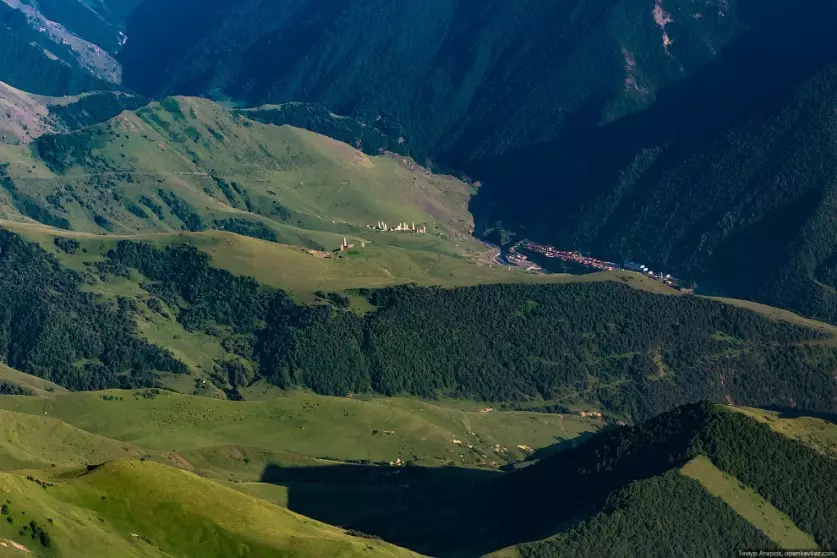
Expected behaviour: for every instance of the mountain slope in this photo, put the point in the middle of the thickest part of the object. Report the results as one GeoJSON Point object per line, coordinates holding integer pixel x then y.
{"type": "Point", "coordinates": [691, 136]}
{"type": "Point", "coordinates": [43, 56]}
{"type": "Point", "coordinates": [18, 383]}
{"type": "Point", "coordinates": [25, 116]}
{"type": "Point", "coordinates": [464, 79]}
{"type": "Point", "coordinates": [55, 330]}
{"type": "Point", "coordinates": [737, 196]}
{"type": "Point", "coordinates": [628, 488]}
{"type": "Point", "coordinates": [189, 164]}
{"type": "Point", "coordinates": [134, 508]}
{"type": "Point", "coordinates": [642, 519]}
{"type": "Point", "coordinates": [701, 480]}
{"type": "Point", "coordinates": [818, 433]}
{"type": "Point", "coordinates": [748, 504]}
{"type": "Point", "coordinates": [40, 442]}
{"type": "Point", "coordinates": [100, 22]}
{"type": "Point", "coordinates": [239, 439]}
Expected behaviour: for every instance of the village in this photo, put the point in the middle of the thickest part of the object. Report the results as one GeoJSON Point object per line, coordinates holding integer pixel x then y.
{"type": "Point", "coordinates": [382, 226]}
{"type": "Point", "coordinates": [516, 257]}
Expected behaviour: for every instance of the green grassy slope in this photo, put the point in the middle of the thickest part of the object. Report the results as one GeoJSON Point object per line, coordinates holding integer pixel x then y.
{"type": "Point", "coordinates": [201, 481]}
{"type": "Point", "coordinates": [303, 272]}
{"type": "Point", "coordinates": [223, 166]}
{"type": "Point", "coordinates": [32, 441]}
{"type": "Point", "coordinates": [748, 504]}
{"type": "Point", "coordinates": [159, 506]}
{"type": "Point", "coordinates": [133, 508]}
{"type": "Point", "coordinates": [188, 164]}
{"type": "Point", "coordinates": [242, 437]}
{"type": "Point", "coordinates": [28, 383]}
{"type": "Point", "coordinates": [815, 432]}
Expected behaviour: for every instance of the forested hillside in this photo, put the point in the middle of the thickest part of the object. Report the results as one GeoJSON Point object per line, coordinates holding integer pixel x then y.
{"type": "Point", "coordinates": [61, 47]}
{"type": "Point", "coordinates": [51, 328]}
{"type": "Point", "coordinates": [735, 192]}
{"type": "Point", "coordinates": [99, 22]}
{"type": "Point", "coordinates": [25, 65]}
{"type": "Point", "coordinates": [25, 116]}
{"type": "Point", "coordinates": [94, 108]}
{"type": "Point", "coordinates": [627, 351]}
{"type": "Point", "coordinates": [464, 79]}
{"type": "Point", "coordinates": [309, 116]}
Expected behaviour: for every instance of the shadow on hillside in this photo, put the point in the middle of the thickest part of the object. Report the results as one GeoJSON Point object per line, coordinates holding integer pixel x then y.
{"type": "Point", "coordinates": [360, 495]}
{"type": "Point", "coordinates": [563, 445]}
{"type": "Point", "coordinates": [789, 413]}
{"type": "Point", "coordinates": [460, 512]}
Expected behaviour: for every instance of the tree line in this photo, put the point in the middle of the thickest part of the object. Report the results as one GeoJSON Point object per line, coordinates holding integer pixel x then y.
{"type": "Point", "coordinates": [51, 328]}
{"type": "Point", "coordinates": [627, 351]}
{"type": "Point", "coordinates": [630, 351]}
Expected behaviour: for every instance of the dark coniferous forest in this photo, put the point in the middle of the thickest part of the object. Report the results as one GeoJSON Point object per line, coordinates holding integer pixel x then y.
{"type": "Point", "coordinates": [51, 328]}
